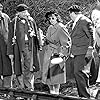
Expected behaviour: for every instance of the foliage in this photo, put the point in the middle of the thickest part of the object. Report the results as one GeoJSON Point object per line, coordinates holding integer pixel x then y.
{"type": "Point", "coordinates": [38, 8]}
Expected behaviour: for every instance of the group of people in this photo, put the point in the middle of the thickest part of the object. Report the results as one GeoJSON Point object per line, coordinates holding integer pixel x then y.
{"type": "Point", "coordinates": [18, 49]}
{"type": "Point", "coordinates": [58, 42]}
{"type": "Point", "coordinates": [20, 42]}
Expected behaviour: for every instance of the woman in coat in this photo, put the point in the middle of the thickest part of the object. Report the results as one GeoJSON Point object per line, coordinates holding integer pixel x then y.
{"type": "Point", "coordinates": [56, 43]}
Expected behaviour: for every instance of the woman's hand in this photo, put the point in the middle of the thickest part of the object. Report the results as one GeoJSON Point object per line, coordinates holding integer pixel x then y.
{"type": "Point", "coordinates": [61, 55]}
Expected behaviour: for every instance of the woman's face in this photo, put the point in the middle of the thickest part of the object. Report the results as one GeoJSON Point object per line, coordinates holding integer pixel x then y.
{"type": "Point", "coordinates": [1, 8]}
{"type": "Point", "coordinates": [53, 19]}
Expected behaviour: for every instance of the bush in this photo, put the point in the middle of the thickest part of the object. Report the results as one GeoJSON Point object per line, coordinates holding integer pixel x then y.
{"type": "Point", "coordinates": [38, 8]}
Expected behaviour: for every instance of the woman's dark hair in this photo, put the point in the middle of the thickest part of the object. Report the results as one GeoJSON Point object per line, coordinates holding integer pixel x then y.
{"type": "Point", "coordinates": [49, 14]}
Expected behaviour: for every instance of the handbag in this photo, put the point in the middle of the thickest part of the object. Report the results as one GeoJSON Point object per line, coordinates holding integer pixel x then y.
{"type": "Point", "coordinates": [56, 59]}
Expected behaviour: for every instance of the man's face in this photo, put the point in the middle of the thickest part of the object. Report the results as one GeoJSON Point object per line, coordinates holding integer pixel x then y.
{"type": "Point", "coordinates": [23, 13]}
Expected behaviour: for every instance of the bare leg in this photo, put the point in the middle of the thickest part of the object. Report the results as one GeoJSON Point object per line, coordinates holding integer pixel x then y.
{"type": "Point", "coordinates": [32, 82]}
{"type": "Point", "coordinates": [20, 79]}
{"type": "Point", "coordinates": [52, 91]}
{"type": "Point", "coordinates": [56, 88]}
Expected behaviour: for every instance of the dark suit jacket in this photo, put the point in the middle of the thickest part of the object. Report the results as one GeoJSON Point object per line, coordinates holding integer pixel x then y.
{"type": "Point", "coordinates": [82, 37]}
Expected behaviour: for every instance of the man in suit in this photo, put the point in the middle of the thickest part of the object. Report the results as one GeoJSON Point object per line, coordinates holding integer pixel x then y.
{"type": "Point", "coordinates": [82, 41]}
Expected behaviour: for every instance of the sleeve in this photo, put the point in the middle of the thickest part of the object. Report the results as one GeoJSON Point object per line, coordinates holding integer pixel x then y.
{"type": "Point", "coordinates": [35, 27]}
{"type": "Point", "coordinates": [63, 37]}
{"type": "Point", "coordinates": [49, 32]}
{"type": "Point", "coordinates": [98, 27]}
{"type": "Point", "coordinates": [37, 35]}
{"type": "Point", "coordinates": [65, 48]}
{"type": "Point", "coordinates": [48, 35]}
{"type": "Point", "coordinates": [88, 29]}
{"type": "Point", "coordinates": [10, 36]}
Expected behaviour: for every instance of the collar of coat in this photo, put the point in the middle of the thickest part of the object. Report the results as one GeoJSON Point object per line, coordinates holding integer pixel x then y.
{"type": "Point", "coordinates": [76, 20]}
{"type": "Point", "coordinates": [82, 17]}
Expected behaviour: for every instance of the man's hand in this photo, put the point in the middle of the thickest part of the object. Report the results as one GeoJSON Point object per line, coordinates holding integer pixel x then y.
{"type": "Point", "coordinates": [89, 52]}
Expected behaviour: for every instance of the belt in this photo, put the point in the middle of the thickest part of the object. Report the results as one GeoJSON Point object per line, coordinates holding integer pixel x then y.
{"type": "Point", "coordinates": [53, 46]}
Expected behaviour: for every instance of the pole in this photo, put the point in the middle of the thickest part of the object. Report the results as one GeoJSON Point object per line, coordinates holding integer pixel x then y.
{"type": "Point", "coordinates": [12, 62]}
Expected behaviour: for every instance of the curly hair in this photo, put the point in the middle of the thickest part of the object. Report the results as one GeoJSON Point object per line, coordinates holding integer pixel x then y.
{"type": "Point", "coordinates": [49, 14]}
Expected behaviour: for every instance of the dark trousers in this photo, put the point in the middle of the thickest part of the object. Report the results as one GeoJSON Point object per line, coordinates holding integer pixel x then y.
{"type": "Point", "coordinates": [26, 66]}
{"type": "Point", "coordinates": [80, 77]}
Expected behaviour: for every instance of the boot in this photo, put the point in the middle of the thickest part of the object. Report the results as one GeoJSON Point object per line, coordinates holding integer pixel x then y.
{"type": "Point", "coordinates": [32, 82]}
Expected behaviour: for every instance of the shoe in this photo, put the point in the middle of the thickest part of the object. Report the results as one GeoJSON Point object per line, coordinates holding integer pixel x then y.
{"type": "Point", "coordinates": [57, 93]}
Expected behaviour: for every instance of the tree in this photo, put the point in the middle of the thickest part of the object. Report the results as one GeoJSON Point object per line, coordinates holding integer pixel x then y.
{"type": "Point", "coordinates": [38, 8]}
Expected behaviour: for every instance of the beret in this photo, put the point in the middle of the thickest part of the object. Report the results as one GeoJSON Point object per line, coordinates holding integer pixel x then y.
{"type": "Point", "coordinates": [74, 8]}
{"type": "Point", "coordinates": [22, 7]}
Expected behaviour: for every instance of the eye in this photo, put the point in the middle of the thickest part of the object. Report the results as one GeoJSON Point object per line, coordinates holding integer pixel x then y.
{"type": "Point", "coordinates": [52, 18]}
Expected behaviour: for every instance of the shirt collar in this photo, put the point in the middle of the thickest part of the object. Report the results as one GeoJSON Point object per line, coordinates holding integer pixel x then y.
{"type": "Point", "coordinates": [77, 18]}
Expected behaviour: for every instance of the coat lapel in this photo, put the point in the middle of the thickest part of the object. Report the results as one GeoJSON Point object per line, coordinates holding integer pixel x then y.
{"type": "Point", "coordinates": [53, 30]}
{"type": "Point", "coordinates": [75, 26]}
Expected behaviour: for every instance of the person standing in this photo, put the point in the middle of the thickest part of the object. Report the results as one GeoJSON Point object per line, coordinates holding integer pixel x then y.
{"type": "Point", "coordinates": [56, 43]}
{"type": "Point", "coordinates": [5, 63]}
{"type": "Point", "coordinates": [23, 46]}
{"type": "Point", "coordinates": [95, 17]}
{"type": "Point", "coordinates": [82, 41]}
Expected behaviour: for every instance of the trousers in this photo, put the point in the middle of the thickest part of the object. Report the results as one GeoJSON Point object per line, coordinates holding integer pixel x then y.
{"type": "Point", "coordinates": [80, 77]}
